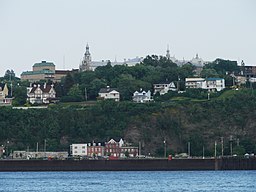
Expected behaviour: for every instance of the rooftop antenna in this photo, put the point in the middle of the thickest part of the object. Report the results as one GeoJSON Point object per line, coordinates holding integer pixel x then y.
{"type": "Point", "coordinates": [63, 61]}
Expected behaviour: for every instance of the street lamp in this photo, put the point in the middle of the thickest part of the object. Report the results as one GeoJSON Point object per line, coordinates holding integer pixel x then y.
{"type": "Point", "coordinates": [164, 148]}
{"type": "Point", "coordinates": [7, 142]}
{"type": "Point", "coordinates": [189, 149]}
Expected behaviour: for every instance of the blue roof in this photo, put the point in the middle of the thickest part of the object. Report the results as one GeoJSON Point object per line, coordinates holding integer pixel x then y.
{"type": "Point", "coordinates": [213, 79]}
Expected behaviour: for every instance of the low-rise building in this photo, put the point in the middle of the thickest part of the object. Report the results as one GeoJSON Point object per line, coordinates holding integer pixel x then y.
{"type": "Point", "coordinates": [95, 149]}
{"type": "Point", "coordinates": [163, 88]}
{"type": "Point", "coordinates": [44, 71]}
{"type": "Point", "coordinates": [142, 96]}
{"type": "Point", "coordinates": [210, 84]}
{"type": "Point", "coordinates": [109, 93]}
{"type": "Point", "coordinates": [120, 149]}
{"type": "Point", "coordinates": [41, 93]}
{"type": "Point", "coordinates": [4, 92]}
{"type": "Point", "coordinates": [78, 149]}
{"type": "Point", "coordinates": [39, 155]}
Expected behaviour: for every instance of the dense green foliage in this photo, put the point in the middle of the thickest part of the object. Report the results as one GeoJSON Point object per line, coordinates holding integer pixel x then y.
{"type": "Point", "coordinates": [178, 118]}
{"type": "Point", "coordinates": [153, 69]}
{"type": "Point", "coordinates": [200, 123]}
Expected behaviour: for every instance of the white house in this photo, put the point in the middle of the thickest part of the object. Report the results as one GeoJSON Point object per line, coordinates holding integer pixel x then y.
{"type": "Point", "coordinates": [78, 149]}
{"type": "Point", "coordinates": [142, 97]}
{"type": "Point", "coordinates": [38, 93]}
{"type": "Point", "coordinates": [163, 88]}
{"type": "Point", "coordinates": [194, 83]}
{"type": "Point", "coordinates": [109, 93]}
{"type": "Point", "coordinates": [211, 84]}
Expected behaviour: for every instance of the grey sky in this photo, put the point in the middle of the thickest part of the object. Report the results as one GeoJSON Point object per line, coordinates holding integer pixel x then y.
{"type": "Point", "coordinates": [36, 30]}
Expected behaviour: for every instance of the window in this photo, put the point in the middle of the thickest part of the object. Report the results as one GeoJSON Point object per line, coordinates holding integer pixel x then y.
{"type": "Point", "coordinates": [75, 147]}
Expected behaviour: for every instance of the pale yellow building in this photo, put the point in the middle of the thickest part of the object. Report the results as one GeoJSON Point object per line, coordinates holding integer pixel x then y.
{"type": "Point", "coordinates": [44, 71]}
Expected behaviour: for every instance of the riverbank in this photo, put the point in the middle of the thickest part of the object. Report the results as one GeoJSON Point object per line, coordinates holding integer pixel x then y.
{"type": "Point", "coordinates": [129, 165]}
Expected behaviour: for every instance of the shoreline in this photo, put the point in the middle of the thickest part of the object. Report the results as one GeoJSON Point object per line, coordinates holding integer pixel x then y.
{"type": "Point", "coordinates": [129, 165]}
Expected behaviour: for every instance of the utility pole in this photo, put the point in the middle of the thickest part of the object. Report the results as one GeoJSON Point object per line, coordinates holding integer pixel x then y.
{"type": "Point", "coordinates": [164, 148]}
{"type": "Point", "coordinates": [85, 94]}
{"type": "Point", "coordinates": [222, 146]}
{"type": "Point", "coordinates": [45, 148]}
{"type": "Point", "coordinates": [36, 146]}
{"type": "Point", "coordinates": [215, 149]}
{"type": "Point", "coordinates": [203, 151]}
{"type": "Point", "coordinates": [139, 148]}
{"type": "Point", "coordinates": [189, 149]}
{"type": "Point", "coordinates": [231, 145]}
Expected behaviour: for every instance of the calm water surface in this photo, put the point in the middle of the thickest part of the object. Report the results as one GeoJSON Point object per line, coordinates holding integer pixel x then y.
{"type": "Point", "coordinates": [128, 181]}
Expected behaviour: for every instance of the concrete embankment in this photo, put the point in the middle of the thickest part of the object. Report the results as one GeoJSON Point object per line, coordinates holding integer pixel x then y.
{"type": "Point", "coordinates": [127, 165]}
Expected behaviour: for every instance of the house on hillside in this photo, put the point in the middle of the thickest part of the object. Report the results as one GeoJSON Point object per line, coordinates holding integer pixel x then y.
{"type": "Point", "coordinates": [142, 97]}
{"type": "Point", "coordinates": [163, 88]}
{"type": "Point", "coordinates": [109, 93]}
{"type": "Point", "coordinates": [4, 92]}
{"type": "Point", "coordinates": [41, 94]}
{"type": "Point", "coordinates": [120, 149]}
{"type": "Point", "coordinates": [210, 84]}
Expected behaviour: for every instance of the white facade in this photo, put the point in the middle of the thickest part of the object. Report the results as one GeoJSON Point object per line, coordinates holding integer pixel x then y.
{"type": "Point", "coordinates": [109, 93]}
{"type": "Point", "coordinates": [40, 93]}
{"type": "Point", "coordinates": [78, 149]}
{"type": "Point", "coordinates": [163, 88]}
{"type": "Point", "coordinates": [211, 84]}
{"type": "Point", "coordinates": [142, 97]}
{"type": "Point", "coordinates": [194, 83]}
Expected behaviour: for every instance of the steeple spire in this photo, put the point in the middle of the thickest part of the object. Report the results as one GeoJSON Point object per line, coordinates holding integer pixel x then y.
{"type": "Point", "coordinates": [168, 56]}
{"type": "Point", "coordinates": [86, 63]}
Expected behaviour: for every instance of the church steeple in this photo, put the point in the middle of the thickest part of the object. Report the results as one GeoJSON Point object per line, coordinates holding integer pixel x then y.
{"type": "Point", "coordinates": [168, 56]}
{"type": "Point", "coordinates": [86, 62]}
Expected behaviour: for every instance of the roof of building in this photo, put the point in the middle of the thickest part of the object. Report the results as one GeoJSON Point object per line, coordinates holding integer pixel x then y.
{"type": "Point", "coordinates": [43, 63]}
{"type": "Point", "coordinates": [37, 72]}
{"type": "Point", "coordinates": [194, 79]}
{"type": "Point", "coordinates": [214, 79]}
{"type": "Point", "coordinates": [107, 90]}
{"type": "Point", "coordinates": [2, 86]}
{"type": "Point", "coordinates": [44, 87]}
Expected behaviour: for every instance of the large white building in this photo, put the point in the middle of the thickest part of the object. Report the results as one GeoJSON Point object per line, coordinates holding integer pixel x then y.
{"type": "Point", "coordinates": [78, 149]}
{"type": "Point", "coordinates": [89, 65]}
{"type": "Point", "coordinates": [211, 84]}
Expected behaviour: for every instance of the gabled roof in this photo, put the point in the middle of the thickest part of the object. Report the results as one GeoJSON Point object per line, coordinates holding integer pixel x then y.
{"type": "Point", "coordinates": [45, 89]}
{"type": "Point", "coordinates": [112, 141]}
{"type": "Point", "coordinates": [107, 90]}
{"type": "Point", "coordinates": [2, 86]}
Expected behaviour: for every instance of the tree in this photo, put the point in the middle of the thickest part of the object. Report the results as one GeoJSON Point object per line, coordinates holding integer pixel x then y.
{"type": "Point", "coordinates": [209, 73]}
{"type": "Point", "coordinates": [68, 83]}
{"type": "Point", "coordinates": [9, 74]}
{"type": "Point", "coordinates": [75, 92]}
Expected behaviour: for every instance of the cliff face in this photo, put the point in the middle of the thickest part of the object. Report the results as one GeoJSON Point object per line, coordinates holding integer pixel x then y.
{"type": "Point", "coordinates": [177, 123]}
{"type": "Point", "coordinates": [231, 119]}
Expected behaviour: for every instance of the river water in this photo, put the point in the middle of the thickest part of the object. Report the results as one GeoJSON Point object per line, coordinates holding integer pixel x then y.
{"type": "Point", "coordinates": [143, 181]}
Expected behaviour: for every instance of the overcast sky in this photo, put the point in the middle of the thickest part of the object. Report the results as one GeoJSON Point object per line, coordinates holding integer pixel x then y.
{"type": "Point", "coordinates": [58, 30]}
